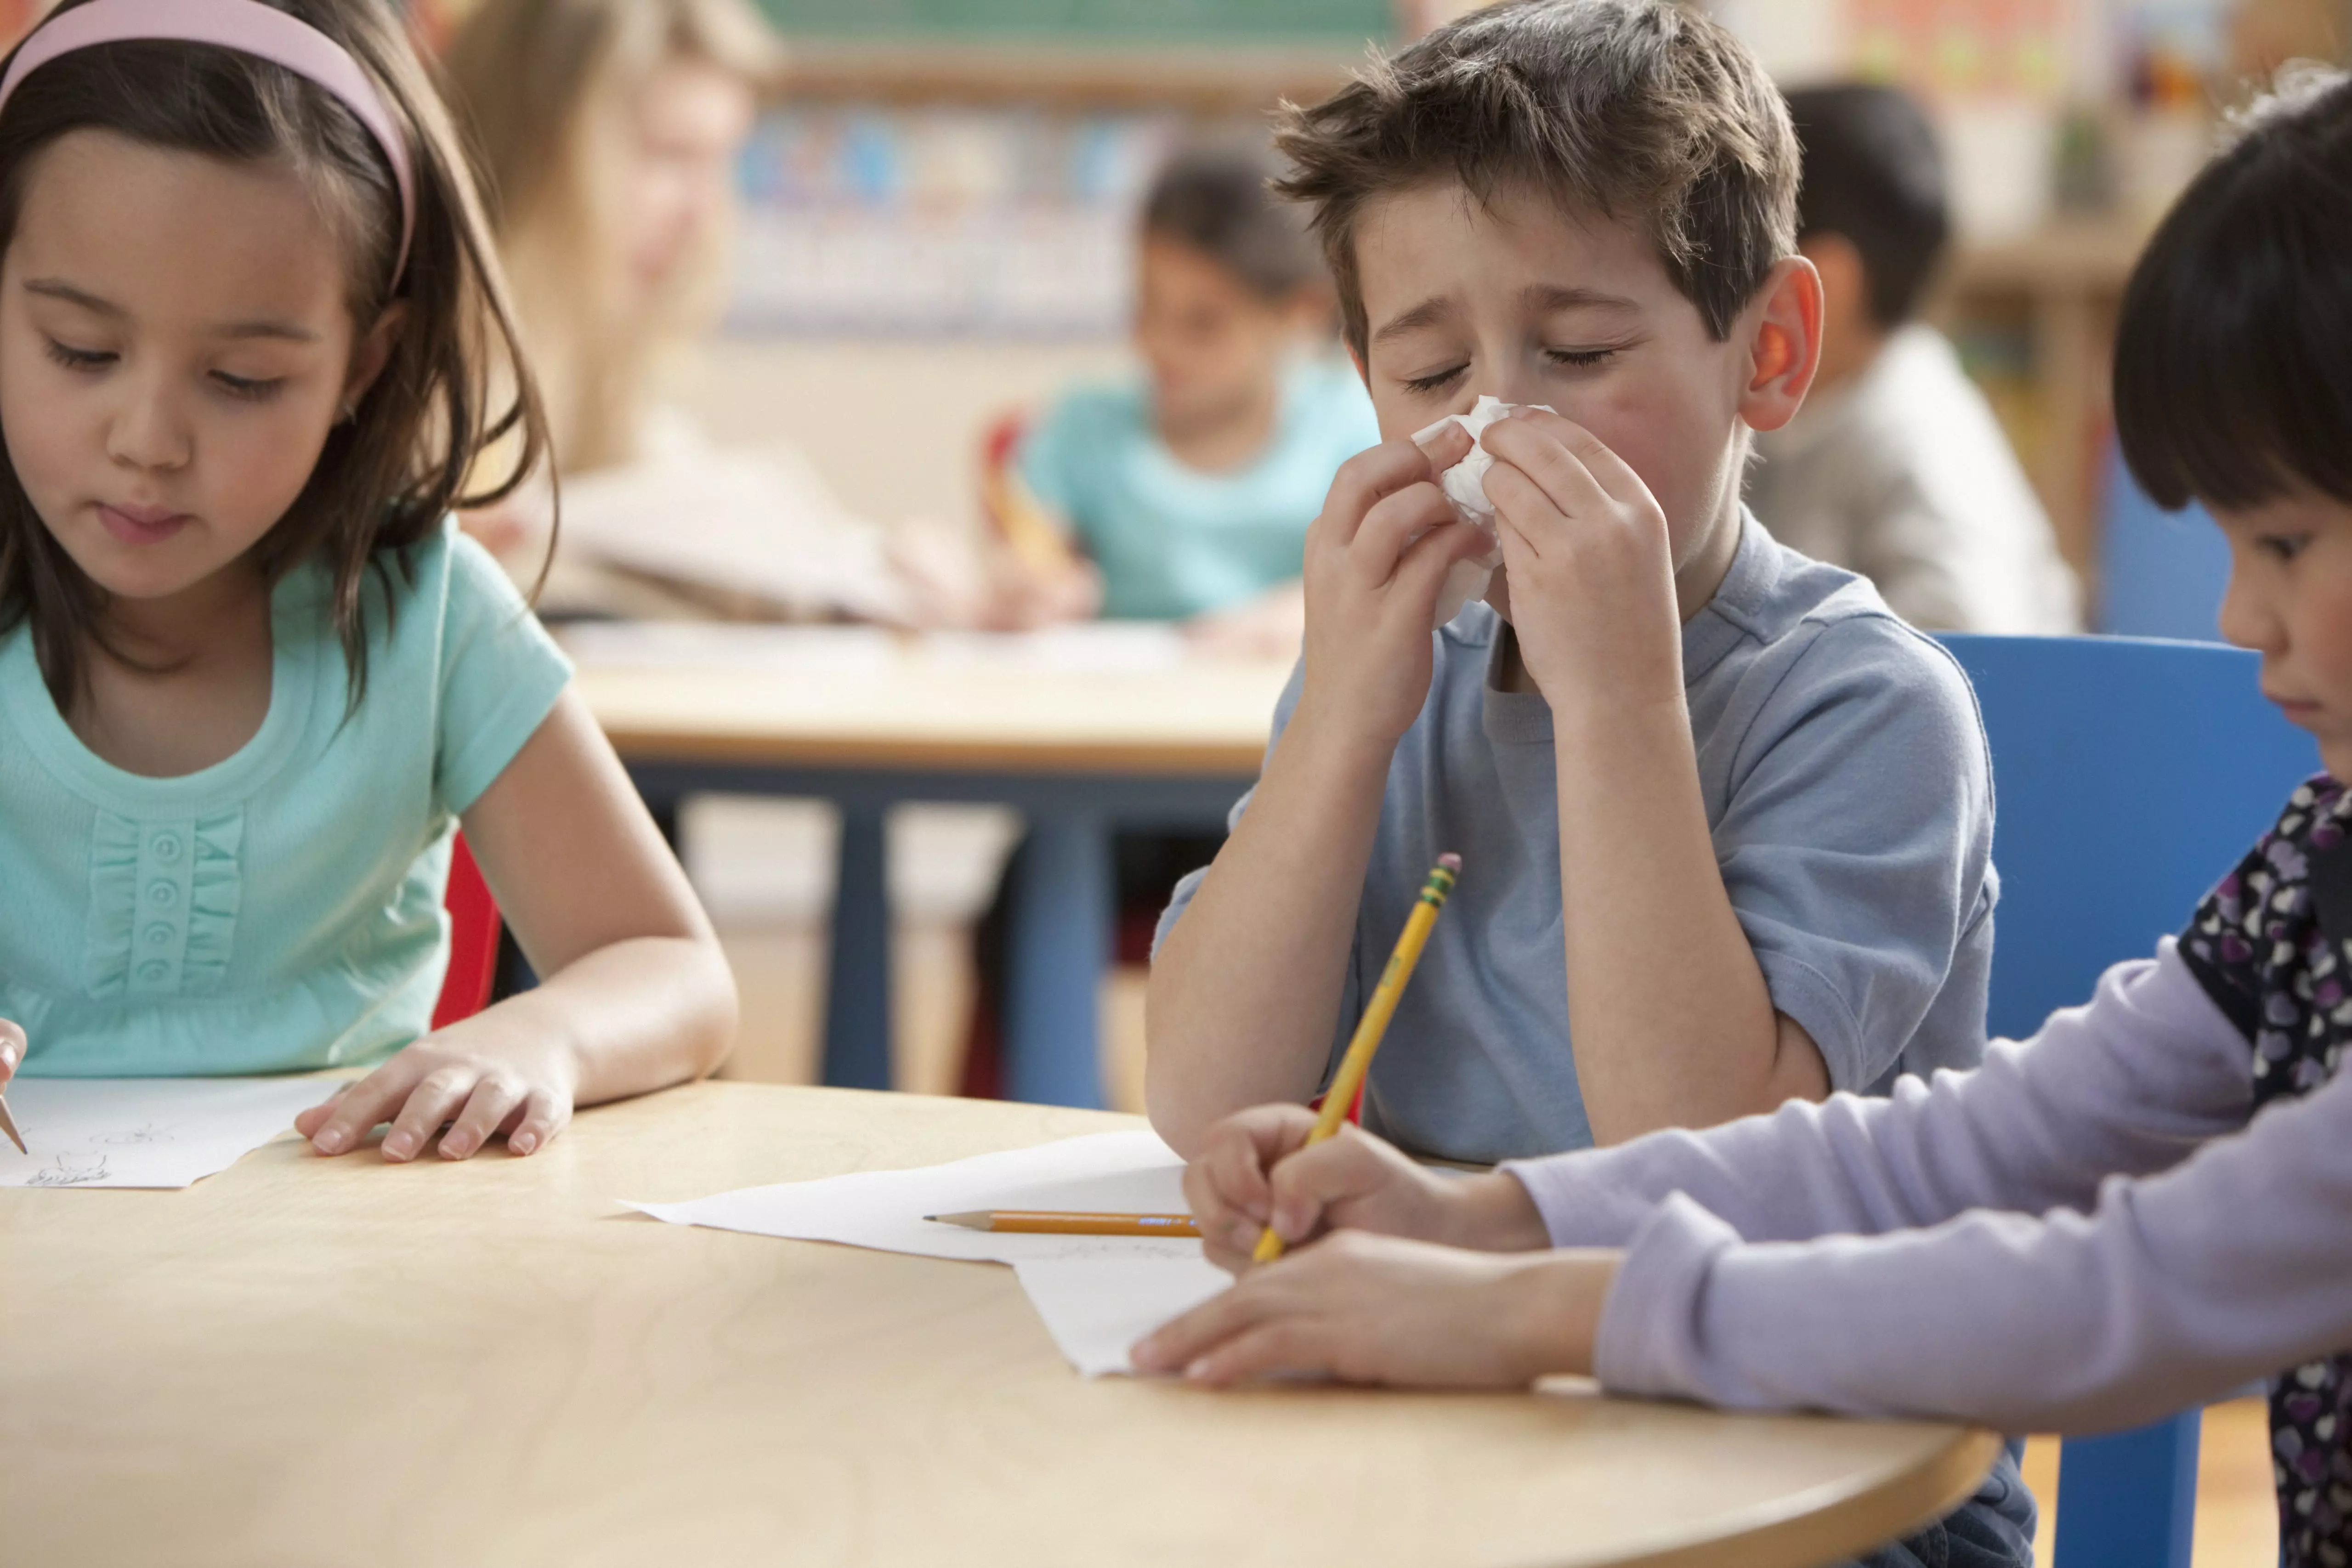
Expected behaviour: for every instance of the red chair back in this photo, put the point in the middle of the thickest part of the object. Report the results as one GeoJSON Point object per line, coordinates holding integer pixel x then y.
{"type": "Point", "coordinates": [473, 940]}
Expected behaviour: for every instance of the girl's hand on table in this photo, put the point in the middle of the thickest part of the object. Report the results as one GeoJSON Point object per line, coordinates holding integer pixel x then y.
{"type": "Point", "coordinates": [12, 1051]}
{"type": "Point", "coordinates": [1255, 1168]}
{"type": "Point", "coordinates": [1383, 1309]}
{"type": "Point", "coordinates": [480, 1077]}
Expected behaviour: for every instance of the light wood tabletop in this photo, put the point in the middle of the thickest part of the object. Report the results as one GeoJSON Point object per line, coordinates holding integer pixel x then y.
{"type": "Point", "coordinates": [304, 1361]}
{"type": "Point", "coordinates": [918, 704]}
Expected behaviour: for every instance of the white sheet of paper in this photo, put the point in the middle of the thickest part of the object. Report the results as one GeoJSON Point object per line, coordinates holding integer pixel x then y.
{"type": "Point", "coordinates": [1097, 1308]}
{"type": "Point", "coordinates": [1114, 1173]}
{"type": "Point", "coordinates": [144, 1132]}
{"type": "Point", "coordinates": [1097, 1294]}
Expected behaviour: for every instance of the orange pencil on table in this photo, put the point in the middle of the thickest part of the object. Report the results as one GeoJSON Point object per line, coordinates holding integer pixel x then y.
{"type": "Point", "coordinates": [1349, 1081]}
{"type": "Point", "coordinates": [1039, 1222]}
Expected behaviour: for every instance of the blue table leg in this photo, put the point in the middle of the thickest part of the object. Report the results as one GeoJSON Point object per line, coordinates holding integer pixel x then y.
{"type": "Point", "coordinates": [1059, 945]}
{"type": "Point", "coordinates": [2128, 1499]}
{"type": "Point", "coordinates": [857, 995]}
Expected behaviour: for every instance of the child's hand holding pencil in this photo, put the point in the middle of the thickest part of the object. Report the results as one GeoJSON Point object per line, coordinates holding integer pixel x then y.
{"type": "Point", "coordinates": [1258, 1169]}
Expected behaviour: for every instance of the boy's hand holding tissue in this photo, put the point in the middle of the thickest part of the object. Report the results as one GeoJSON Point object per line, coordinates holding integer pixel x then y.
{"type": "Point", "coordinates": [1588, 566]}
{"type": "Point", "coordinates": [1377, 558]}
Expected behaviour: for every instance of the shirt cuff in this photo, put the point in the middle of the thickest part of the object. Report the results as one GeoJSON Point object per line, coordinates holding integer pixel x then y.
{"type": "Point", "coordinates": [1579, 1204]}
{"type": "Point", "coordinates": [1648, 1344]}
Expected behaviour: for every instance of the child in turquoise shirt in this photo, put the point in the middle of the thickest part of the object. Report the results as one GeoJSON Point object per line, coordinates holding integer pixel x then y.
{"type": "Point", "coordinates": [251, 677]}
{"type": "Point", "coordinates": [1188, 491]}
{"type": "Point", "coordinates": [1185, 496]}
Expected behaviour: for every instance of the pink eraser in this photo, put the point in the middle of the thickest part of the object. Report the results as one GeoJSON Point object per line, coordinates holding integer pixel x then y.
{"type": "Point", "coordinates": [1452, 863]}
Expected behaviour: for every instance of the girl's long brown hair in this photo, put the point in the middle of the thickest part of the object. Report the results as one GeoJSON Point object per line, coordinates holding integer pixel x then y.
{"type": "Point", "coordinates": [386, 478]}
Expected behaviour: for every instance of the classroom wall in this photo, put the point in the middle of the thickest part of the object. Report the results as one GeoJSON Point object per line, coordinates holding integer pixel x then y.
{"type": "Point", "coordinates": [895, 425]}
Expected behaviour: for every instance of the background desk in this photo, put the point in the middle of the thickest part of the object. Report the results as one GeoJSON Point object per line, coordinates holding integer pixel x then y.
{"type": "Point", "coordinates": [304, 1361]}
{"type": "Point", "coordinates": [1079, 752]}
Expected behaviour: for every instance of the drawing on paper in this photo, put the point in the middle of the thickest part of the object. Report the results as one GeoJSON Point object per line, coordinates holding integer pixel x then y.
{"type": "Point", "coordinates": [69, 1170]}
{"type": "Point", "coordinates": [148, 1133]}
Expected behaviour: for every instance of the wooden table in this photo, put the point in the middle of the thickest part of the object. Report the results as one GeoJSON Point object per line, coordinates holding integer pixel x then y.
{"type": "Point", "coordinates": [306, 1362]}
{"type": "Point", "coordinates": [855, 718]}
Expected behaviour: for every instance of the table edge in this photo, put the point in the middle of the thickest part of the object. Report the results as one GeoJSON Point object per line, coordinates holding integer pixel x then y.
{"type": "Point", "coordinates": [1141, 758]}
{"type": "Point", "coordinates": [1803, 1532]}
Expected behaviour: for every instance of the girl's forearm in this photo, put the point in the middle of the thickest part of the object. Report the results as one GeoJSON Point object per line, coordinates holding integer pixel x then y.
{"type": "Point", "coordinates": [1669, 1016]}
{"type": "Point", "coordinates": [1245, 993]}
{"type": "Point", "coordinates": [635, 1015]}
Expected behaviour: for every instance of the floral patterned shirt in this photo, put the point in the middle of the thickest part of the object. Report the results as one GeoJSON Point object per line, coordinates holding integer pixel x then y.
{"type": "Point", "coordinates": [2272, 946]}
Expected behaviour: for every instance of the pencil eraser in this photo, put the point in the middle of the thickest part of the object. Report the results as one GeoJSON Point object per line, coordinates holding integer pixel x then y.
{"type": "Point", "coordinates": [1450, 862]}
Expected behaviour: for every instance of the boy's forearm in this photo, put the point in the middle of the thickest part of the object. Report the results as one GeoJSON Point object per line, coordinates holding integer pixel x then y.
{"type": "Point", "coordinates": [1245, 992]}
{"type": "Point", "coordinates": [1669, 1015]}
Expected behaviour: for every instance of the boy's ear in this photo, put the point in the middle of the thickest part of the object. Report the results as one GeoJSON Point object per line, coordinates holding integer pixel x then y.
{"type": "Point", "coordinates": [372, 352]}
{"type": "Point", "coordinates": [1784, 347]}
{"type": "Point", "coordinates": [1356, 359]}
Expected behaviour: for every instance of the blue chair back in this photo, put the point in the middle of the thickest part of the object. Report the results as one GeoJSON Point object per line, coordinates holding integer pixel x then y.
{"type": "Point", "coordinates": [2129, 775]}
{"type": "Point", "coordinates": [2160, 573]}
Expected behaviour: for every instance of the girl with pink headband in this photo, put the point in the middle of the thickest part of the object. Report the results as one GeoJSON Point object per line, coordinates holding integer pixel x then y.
{"type": "Point", "coordinates": [252, 678]}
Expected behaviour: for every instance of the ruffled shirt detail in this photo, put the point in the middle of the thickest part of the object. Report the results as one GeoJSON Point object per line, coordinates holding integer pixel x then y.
{"type": "Point", "coordinates": [164, 899]}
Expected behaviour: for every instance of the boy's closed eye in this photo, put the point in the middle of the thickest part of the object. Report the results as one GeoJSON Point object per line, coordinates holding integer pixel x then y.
{"type": "Point", "coordinates": [1435, 381]}
{"type": "Point", "coordinates": [1585, 359]}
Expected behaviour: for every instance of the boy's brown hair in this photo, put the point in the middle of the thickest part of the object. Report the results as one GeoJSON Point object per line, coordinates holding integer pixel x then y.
{"type": "Point", "coordinates": [1634, 109]}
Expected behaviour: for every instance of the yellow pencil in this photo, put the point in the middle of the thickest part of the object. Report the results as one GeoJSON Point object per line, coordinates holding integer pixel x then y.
{"type": "Point", "coordinates": [1375, 1021]}
{"type": "Point", "coordinates": [8, 1125]}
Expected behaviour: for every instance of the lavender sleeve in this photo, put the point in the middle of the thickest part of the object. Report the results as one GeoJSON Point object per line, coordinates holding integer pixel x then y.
{"type": "Point", "coordinates": [1956, 1253]}
{"type": "Point", "coordinates": [2132, 1082]}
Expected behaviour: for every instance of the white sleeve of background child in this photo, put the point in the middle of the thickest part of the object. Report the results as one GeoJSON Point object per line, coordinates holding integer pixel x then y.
{"type": "Point", "coordinates": [2131, 1083]}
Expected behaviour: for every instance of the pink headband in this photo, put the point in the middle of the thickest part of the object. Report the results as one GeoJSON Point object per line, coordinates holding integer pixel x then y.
{"type": "Point", "coordinates": [250, 28]}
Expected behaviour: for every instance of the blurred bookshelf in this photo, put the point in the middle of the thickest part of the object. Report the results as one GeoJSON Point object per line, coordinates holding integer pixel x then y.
{"type": "Point", "coordinates": [2034, 321]}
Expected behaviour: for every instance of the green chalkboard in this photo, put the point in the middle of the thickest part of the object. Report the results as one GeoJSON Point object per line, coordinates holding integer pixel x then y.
{"type": "Point", "coordinates": [1087, 21]}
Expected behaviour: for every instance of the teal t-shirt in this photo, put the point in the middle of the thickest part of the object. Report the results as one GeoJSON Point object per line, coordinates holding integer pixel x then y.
{"type": "Point", "coordinates": [1173, 542]}
{"type": "Point", "coordinates": [281, 910]}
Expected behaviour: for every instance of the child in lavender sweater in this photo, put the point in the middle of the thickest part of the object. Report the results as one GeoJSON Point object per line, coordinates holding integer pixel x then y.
{"type": "Point", "coordinates": [2142, 1207]}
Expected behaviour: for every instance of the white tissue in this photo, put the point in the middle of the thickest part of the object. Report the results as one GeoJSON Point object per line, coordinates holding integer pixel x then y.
{"type": "Point", "coordinates": [1465, 484]}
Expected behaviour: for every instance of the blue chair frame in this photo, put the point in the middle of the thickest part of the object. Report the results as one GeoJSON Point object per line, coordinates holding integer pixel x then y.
{"type": "Point", "coordinates": [2129, 774]}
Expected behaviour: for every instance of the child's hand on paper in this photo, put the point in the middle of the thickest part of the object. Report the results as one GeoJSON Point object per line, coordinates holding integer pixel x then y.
{"type": "Point", "coordinates": [1382, 1308]}
{"type": "Point", "coordinates": [483, 1076]}
{"type": "Point", "coordinates": [1376, 558]}
{"type": "Point", "coordinates": [12, 1051]}
{"type": "Point", "coordinates": [1255, 1168]}
{"type": "Point", "coordinates": [1589, 562]}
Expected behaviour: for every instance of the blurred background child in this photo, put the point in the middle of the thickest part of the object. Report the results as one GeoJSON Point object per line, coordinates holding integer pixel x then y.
{"type": "Point", "coordinates": [1184, 494]}
{"type": "Point", "coordinates": [608, 133]}
{"type": "Point", "coordinates": [1897, 468]}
